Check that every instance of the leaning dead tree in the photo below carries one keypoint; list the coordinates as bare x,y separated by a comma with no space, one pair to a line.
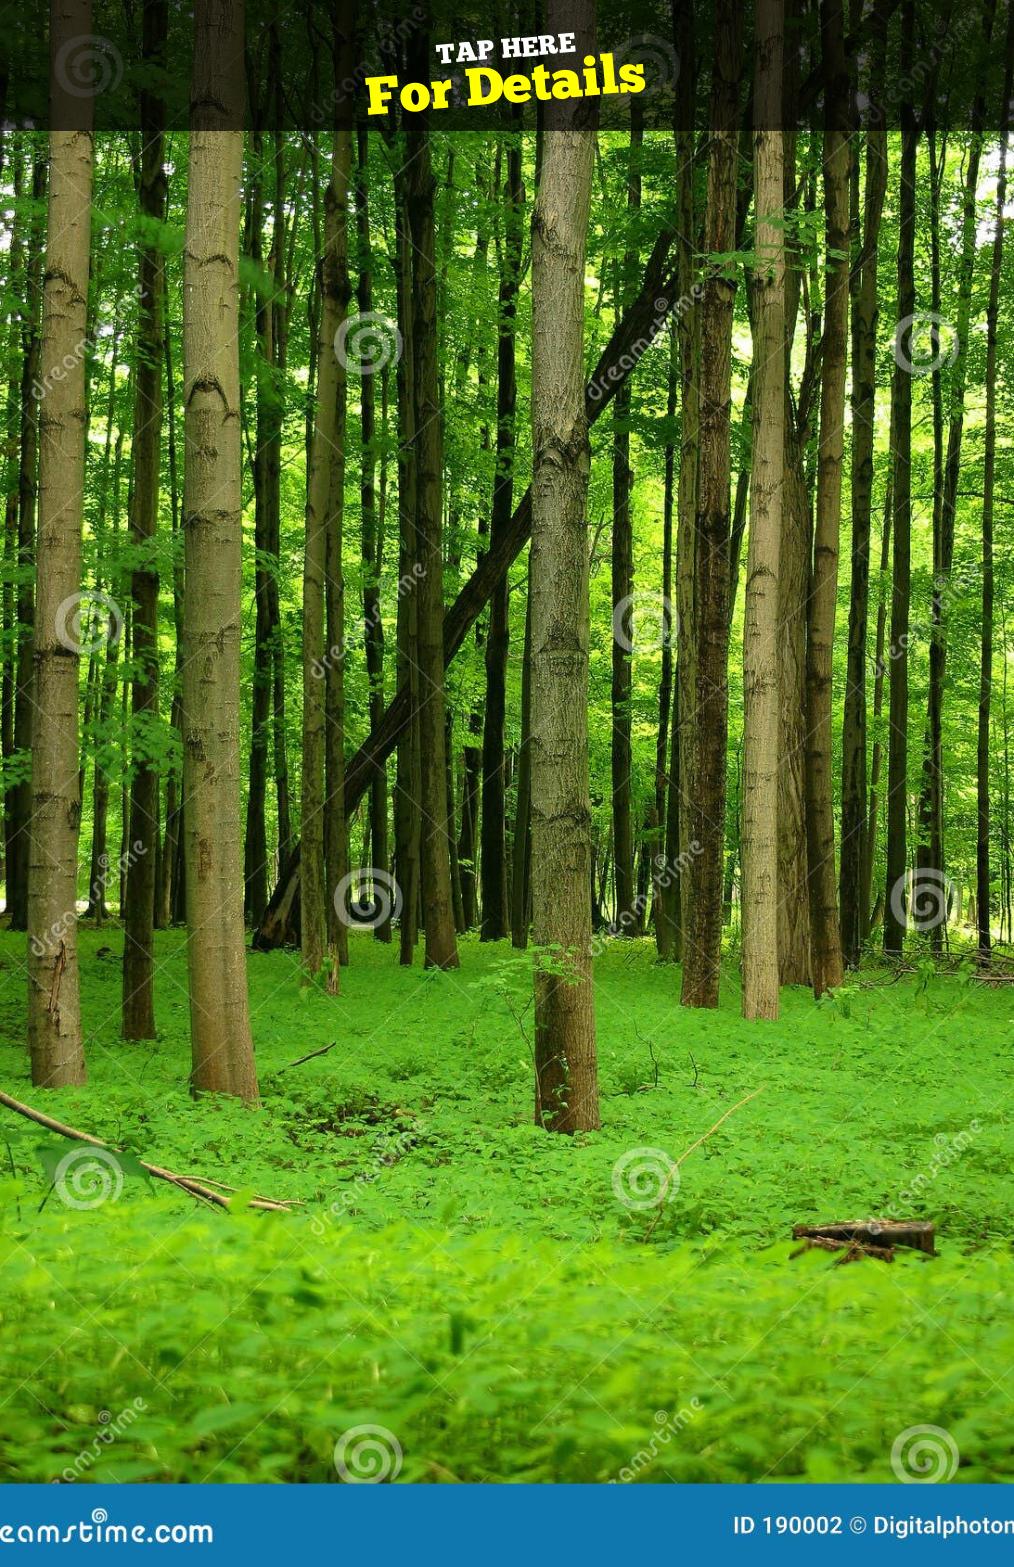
632,337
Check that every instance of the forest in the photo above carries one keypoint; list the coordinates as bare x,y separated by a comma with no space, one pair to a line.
507,656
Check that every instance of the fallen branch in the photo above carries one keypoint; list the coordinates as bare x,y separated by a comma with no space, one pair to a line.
321,1052
199,1189
664,1191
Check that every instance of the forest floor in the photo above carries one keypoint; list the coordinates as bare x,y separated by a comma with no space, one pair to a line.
484,1291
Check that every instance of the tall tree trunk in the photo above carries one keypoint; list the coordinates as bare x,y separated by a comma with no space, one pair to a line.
760,639
566,1076
143,835
852,886
492,816
825,936
666,885
982,869
706,828
932,891
521,870
54,1012
441,947
372,534
223,1059
19,826
626,917
322,497
895,907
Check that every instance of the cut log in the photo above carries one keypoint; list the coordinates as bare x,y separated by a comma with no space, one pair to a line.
633,335
848,1251
873,1234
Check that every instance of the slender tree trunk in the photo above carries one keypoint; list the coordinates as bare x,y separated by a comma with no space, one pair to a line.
877,757
372,535
825,936
703,877
760,640
223,1059
895,916
441,947
566,1092
322,497
666,885
626,919
31,342
143,834
521,875
54,1013
852,885
492,818
982,865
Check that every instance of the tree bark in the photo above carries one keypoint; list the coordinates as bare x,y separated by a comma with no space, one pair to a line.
825,936
54,1013
760,640
223,1059
143,835
706,827
895,908
566,1083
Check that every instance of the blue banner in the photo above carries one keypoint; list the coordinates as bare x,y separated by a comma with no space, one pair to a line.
472,1525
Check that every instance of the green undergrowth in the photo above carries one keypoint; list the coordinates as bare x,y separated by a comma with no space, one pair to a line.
480,1288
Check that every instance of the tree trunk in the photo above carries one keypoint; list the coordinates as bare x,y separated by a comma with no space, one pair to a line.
223,1060
566,1081
626,916
322,497
895,910
54,1014
761,629
825,936
521,874
441,947
372,534
706,828
982,871
143,834
852,886
492,817
19,825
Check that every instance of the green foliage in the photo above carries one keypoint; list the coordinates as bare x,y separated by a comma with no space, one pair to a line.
471,1282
